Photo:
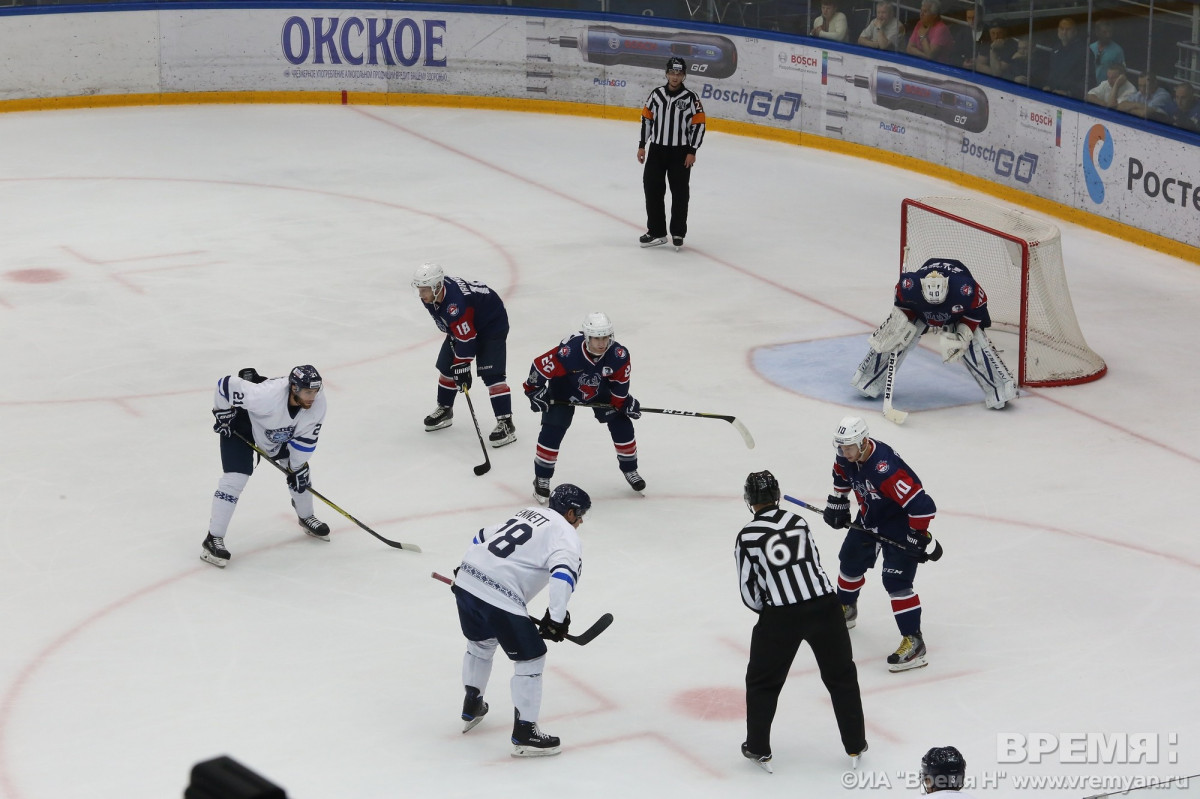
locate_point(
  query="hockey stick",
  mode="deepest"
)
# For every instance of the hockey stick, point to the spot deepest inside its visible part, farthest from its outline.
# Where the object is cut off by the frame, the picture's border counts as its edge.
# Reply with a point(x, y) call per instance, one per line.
point(487, 462)
point(583, 639)
point(315, 493)
point(890, 413)
point(881, 539)
point(733, 420)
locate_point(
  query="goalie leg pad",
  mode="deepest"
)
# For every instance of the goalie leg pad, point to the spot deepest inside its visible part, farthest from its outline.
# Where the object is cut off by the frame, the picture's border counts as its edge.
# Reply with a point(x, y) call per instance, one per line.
point(896, 332)
point(871, 374)
point(983, 364)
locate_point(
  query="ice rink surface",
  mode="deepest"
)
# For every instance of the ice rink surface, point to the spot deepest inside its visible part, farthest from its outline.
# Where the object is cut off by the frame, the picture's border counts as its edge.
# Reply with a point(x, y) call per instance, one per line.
point(149, 251)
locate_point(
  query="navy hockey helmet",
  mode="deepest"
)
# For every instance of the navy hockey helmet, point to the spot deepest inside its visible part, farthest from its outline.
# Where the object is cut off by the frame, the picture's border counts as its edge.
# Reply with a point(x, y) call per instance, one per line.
point(761, 487)
point(304, 377)
point(570, 497)
point(676, 64)
point(943, 768)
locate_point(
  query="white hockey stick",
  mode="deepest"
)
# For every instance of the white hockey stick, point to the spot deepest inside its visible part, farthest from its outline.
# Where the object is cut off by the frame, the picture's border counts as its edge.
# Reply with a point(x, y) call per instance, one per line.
point(890, 413)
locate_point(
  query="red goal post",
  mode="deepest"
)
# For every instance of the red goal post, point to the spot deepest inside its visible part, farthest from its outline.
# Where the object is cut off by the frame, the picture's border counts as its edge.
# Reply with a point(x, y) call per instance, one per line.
point(1017, 259)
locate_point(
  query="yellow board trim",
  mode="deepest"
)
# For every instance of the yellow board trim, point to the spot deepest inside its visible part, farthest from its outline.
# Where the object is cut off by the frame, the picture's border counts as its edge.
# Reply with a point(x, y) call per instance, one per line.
point(1110, 227)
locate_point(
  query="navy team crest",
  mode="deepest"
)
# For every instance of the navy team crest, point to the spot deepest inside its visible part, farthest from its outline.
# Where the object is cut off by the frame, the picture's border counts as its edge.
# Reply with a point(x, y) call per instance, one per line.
point(966, 290)
point(906, 283)
point(620, 351)
point(452, 309)
point(563, 352)
point(282, 435)
point(882, 467)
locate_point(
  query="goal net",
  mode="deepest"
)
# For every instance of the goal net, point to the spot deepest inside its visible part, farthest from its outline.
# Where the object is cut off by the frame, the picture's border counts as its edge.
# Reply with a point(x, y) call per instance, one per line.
point(1017, 259)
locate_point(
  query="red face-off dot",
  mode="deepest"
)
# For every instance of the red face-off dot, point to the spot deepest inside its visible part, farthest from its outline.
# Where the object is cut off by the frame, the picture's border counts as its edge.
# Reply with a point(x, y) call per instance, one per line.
point(35, 275)
point(712, 704)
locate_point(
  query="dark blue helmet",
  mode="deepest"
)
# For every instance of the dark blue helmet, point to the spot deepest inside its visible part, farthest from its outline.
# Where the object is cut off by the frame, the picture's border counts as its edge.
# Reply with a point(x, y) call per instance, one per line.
point(570, 497)
point(945, 768)
point(761, 487)
point(304, 377)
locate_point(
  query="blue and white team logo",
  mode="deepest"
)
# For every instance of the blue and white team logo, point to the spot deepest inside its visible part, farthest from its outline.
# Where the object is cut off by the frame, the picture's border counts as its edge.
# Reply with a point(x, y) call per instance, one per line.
point(282, 435)
point(883, 467)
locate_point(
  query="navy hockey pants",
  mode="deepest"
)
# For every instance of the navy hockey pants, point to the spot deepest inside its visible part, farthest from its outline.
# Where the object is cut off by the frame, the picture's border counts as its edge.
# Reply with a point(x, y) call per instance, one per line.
point(491, 355)
point(858, 554)
point(554, 428)
point(518, 635)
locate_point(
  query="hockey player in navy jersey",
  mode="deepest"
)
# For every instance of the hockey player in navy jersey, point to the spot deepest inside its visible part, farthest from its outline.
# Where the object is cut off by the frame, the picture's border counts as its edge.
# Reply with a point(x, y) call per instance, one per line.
point(475, 322)
point(893, 503)
point(941, 296)
point(588, 367)
point(283, 417)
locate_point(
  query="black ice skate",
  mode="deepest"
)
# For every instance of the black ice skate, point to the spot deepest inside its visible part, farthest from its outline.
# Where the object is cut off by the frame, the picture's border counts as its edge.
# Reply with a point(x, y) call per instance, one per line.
point(855, 757)
point(442, 417)
point(541, 489)
point(647, 240)
point(505, 432)
point(474, 708)
point(909, 655)
point(762, 761)
point(677, 241)
point(851, 614)
point(315, 527)
point(529, 741)
point(635, 481)
point(214, 551)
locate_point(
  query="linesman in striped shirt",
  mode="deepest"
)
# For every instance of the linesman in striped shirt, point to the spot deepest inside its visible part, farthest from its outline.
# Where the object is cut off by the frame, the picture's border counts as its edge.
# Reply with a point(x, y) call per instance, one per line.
point(781, 579)
point(672, 129)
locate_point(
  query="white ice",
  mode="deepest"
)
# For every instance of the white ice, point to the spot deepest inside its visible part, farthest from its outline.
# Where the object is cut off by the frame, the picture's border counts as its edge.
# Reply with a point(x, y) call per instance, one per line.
point(146, 252)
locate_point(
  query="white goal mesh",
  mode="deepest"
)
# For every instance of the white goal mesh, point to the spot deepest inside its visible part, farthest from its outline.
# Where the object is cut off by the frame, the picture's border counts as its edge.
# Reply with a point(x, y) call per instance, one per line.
point(1017, 258)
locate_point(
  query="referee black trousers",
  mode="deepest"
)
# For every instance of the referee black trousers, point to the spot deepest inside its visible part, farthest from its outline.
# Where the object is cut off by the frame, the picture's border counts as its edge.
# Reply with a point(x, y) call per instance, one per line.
point(663, 165)
point(773, 645)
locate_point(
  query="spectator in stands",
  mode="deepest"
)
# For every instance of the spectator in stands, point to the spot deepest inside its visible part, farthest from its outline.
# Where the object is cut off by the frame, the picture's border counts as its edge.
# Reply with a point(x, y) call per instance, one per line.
point(885, 32)
point(970, 40)
point(1064, 71)
point(1187, 109)
point(1104, 50)
point(832, 23)
point(930, 37)
point(1150, 101)
point(998, 56)
point(1114, 90)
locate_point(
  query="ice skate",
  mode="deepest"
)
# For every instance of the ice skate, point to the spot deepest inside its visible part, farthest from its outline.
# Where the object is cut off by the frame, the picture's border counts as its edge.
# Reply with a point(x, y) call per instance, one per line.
point(442, 417)
point(851, 614)
point(909, 655)
point(855, 757)
point(214, 551)
point(505, 432)
point(474, 708)
point(529, 741)
point(635, 481)
point(647, 240)
point(541, 489)
point(762, 761)
point(315, 527)
point(677, 241)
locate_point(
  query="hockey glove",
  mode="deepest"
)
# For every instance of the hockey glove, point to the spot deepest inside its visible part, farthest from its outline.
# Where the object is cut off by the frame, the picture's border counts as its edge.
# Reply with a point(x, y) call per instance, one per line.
point(632, 408)
point(462, 374)
point(919, 541)
point(837, 511)
point(539, 399)
point(554, 630)
point(299, 481)
point(224, 424)
point(251, 374)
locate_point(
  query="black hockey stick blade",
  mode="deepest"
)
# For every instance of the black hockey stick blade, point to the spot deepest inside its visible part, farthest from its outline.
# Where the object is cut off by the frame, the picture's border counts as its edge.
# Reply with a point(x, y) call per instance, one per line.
point(589, 635)
point(486, 466)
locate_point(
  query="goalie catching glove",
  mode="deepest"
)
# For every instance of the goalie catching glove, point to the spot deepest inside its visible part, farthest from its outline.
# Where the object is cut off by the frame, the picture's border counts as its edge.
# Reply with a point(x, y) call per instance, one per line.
point(954, 342)
point(554, 630)
point(896, 333)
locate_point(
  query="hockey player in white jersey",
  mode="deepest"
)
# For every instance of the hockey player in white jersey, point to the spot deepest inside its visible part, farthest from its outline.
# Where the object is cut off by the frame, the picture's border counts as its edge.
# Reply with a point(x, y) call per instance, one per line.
point(283, 417)
point(505, 567)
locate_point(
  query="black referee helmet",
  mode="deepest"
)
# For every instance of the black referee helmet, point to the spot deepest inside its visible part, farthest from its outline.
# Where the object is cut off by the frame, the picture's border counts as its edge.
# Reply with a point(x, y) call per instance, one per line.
point(676, 64)
point(761, 488)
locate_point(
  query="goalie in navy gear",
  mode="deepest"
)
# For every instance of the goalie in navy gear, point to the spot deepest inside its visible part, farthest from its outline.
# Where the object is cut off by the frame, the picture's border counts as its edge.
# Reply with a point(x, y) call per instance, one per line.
point(283, 417)
point(941, 297)
point(781, 579)
point(475, 322)
point(505, 567)
point(588, 367)
point(893, 504)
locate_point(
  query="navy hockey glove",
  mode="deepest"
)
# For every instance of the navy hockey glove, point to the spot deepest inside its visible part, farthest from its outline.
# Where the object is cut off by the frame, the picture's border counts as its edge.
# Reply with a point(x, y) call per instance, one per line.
point(632, 408)
point(224, 424)
point(837, 511)
point(539, 400)
point(554, 630)
point(462, 374)
point(251, 374)
point(919, 541)
point(299, 481)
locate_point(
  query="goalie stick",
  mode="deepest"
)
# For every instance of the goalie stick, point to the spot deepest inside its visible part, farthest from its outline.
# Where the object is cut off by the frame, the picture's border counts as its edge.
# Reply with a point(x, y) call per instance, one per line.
point(916, 553)
point(484, 467)
point(733, 420)
point(315, 493)
point(583, 639)
point(890, 413)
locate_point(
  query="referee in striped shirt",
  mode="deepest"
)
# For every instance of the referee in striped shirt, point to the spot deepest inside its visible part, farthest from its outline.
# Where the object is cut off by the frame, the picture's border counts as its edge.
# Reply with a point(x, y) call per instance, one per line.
point(780, 575)
point(673, 128)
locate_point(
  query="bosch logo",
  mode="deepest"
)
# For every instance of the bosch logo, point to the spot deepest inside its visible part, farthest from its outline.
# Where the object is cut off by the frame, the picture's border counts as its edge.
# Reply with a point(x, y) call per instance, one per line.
point(638, 44)
point(1041, 119)
point(804, 60)
point(1005, 163)
point(614, 43)
point(759, 103)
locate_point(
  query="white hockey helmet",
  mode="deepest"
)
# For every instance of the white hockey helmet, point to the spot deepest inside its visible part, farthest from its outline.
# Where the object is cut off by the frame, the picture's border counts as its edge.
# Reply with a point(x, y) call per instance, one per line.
point(428, 275)
point(934, 287)
point(597, 325)
point(851, 430)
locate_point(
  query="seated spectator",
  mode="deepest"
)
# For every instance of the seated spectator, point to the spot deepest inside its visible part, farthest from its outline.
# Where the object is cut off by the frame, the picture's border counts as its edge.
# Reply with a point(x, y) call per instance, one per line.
point(1104, 50)
point(970, 40)
point(998, 57)
point(1150, 101)
point(885, 32)
point(1115, 89)
point(930, 37)
point(832, 23)
point(1187, 109)
point(1021, 63)
point(1064, 70)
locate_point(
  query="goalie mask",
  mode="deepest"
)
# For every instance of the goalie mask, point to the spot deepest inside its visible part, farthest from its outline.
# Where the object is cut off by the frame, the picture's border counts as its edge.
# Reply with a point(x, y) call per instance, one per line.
point(943, 768)
point(934, 287)
point(761, 488)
